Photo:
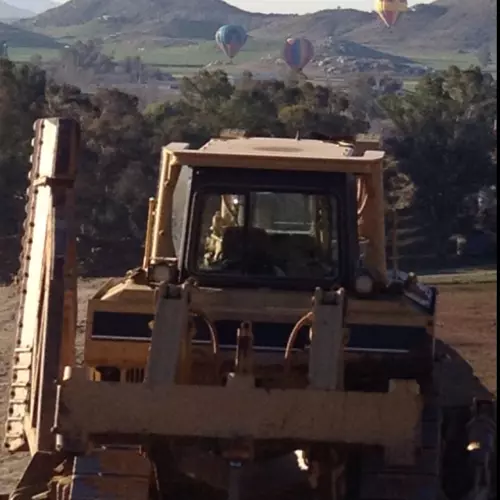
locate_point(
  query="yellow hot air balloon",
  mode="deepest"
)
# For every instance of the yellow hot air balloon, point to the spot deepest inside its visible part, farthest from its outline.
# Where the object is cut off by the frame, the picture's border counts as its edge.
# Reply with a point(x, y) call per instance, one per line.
point(389, 10)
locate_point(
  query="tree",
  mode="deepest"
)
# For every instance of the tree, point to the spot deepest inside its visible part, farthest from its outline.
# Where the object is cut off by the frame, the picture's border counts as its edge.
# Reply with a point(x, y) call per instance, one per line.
point(210, 103)
point(443, 142)
point(484, 55)
point(442, 153)
point(364, 93)
point(118, 167)
point(487, 208)
point(36, 60)
point(398, 187)
point(252, 110)
point(22, 96)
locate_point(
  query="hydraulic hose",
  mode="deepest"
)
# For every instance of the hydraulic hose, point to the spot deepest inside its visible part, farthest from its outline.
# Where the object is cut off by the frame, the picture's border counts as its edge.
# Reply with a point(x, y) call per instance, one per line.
point(305, 320)
point(213, 336)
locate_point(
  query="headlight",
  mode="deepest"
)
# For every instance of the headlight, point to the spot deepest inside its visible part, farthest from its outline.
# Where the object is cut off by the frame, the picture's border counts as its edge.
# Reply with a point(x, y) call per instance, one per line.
point(160, 272)
point(473, 446)
point(364, 284)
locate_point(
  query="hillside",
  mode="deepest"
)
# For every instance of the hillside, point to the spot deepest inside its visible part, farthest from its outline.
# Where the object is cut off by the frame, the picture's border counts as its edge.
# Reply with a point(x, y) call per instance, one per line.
point(441, 27)
point(16, 37)
point(185, 19)
point(9, 12)
point(481, 26)
point(344, 48)
point(316, 26)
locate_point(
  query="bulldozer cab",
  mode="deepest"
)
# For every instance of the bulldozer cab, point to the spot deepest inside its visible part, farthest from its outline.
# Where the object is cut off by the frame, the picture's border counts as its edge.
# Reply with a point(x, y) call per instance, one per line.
point(267, 228)
point(266, 212)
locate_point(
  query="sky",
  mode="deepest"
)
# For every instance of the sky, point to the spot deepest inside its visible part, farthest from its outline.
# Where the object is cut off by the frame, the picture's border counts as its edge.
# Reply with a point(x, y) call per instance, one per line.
point(305, 6)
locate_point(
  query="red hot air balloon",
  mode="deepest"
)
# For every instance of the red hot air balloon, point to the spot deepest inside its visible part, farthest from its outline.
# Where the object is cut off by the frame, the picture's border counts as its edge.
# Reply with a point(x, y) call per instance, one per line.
point(297, 53)
point(389, 10)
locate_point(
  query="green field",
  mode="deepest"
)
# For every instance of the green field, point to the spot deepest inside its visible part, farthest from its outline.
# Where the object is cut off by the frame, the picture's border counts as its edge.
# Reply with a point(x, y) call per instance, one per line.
point(206, 52)
point(186, 60)
point(440, 60)
point(24, 54)
point(179, 60)
point(196, 54)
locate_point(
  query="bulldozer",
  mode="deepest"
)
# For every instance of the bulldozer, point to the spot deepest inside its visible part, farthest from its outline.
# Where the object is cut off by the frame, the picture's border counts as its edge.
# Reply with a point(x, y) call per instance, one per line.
point(270, 354)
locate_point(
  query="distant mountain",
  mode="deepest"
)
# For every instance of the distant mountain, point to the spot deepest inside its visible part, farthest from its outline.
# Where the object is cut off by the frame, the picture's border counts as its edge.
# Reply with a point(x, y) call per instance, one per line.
point(168, 18)
point(36, 6)
point(470, 23)
point(10, 13)
point(16, 37)
point(441, 25)
point(444, 25)
point(316, 26)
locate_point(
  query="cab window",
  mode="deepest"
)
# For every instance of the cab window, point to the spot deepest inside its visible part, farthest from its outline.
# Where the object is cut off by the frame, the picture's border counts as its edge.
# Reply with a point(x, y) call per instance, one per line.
point(278, 234)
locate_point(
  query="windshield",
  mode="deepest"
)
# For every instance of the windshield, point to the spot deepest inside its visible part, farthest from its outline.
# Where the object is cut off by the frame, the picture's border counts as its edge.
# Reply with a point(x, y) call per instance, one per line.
point(279, 234)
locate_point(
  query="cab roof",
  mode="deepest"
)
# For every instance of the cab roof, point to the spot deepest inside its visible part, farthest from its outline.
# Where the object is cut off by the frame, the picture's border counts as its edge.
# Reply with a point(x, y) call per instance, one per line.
point(282, 147)
point(276, 154)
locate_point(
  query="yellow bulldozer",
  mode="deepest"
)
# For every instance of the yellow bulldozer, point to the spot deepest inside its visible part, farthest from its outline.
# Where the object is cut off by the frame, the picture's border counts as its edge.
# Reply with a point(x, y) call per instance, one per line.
point(270, 355)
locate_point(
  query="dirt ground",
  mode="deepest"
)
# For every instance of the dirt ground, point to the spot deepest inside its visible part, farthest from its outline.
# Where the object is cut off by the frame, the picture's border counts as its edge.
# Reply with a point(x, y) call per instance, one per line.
point(467, 326)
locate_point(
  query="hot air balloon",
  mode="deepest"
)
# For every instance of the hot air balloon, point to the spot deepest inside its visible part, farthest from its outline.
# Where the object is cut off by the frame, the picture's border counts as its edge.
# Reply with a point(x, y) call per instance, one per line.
point(389, 10)
point(230, 38)
point(297, 53)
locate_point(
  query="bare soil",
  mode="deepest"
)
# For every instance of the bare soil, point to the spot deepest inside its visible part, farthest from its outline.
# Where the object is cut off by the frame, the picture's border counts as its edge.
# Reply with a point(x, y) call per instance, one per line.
point(467, 329)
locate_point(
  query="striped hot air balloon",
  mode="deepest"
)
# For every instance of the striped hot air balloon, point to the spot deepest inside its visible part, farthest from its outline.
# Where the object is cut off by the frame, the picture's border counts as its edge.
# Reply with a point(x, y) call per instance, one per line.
point(298, 52)
point(389, 10)
point(230, 38)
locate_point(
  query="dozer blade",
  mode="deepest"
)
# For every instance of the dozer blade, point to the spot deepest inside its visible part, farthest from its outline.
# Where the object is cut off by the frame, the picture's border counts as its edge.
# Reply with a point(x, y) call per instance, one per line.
point(46, 322)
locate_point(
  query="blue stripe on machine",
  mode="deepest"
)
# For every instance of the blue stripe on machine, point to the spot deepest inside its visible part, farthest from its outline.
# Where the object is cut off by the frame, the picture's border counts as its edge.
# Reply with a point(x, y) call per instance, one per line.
point(271, 337)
